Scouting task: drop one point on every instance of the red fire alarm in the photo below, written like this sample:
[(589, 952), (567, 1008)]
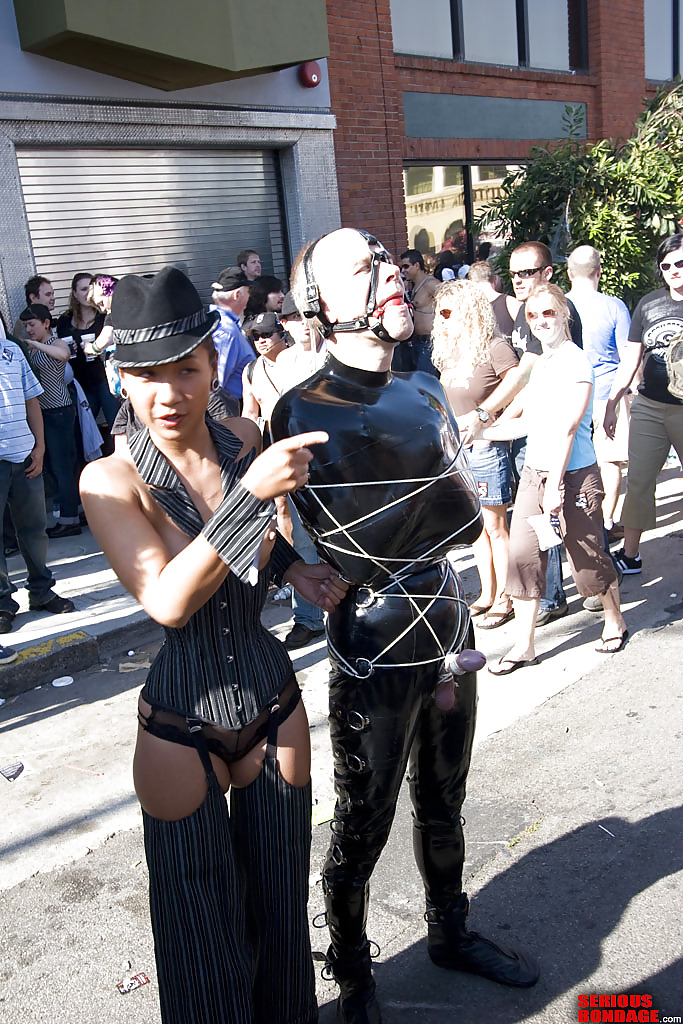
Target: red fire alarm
[(310, 74)]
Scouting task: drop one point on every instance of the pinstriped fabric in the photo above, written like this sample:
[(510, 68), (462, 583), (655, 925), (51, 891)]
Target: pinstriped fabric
[(238, 525), (228, 911), (217, 962), (198, 917), (272, 839), (222, 667)]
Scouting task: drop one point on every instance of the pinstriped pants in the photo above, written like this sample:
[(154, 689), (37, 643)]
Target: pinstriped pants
[(228, 895)]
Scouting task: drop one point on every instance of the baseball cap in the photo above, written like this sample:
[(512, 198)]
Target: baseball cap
[(262, 323), (229, 279)]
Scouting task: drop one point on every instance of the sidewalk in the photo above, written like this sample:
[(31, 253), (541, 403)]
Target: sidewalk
[(51, 645)]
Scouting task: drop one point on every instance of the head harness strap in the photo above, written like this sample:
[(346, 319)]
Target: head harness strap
[(360, 323)]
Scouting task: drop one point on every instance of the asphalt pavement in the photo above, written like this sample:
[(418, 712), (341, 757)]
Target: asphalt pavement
[(574, 826)]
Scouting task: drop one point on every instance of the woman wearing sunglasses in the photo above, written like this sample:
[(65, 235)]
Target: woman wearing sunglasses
[(473, 360), (656, 413), (560, 482)]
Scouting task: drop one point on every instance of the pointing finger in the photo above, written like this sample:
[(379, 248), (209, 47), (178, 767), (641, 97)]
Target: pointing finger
[(292, 444)]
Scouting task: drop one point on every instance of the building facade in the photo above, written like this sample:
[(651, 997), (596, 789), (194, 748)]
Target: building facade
[(135, 135), (434, 102)]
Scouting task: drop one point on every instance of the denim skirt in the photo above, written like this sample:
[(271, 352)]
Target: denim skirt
[(491, 467)]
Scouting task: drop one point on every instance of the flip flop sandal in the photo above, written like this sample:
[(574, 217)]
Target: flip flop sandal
[(479, 609), (601, 649), (500, 619), (514, 665)]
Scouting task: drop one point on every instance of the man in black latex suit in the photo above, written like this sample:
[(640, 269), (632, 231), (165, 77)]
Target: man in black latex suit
[(388, 496)]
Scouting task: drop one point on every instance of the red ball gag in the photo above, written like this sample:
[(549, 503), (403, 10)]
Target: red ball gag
[(310, 74)]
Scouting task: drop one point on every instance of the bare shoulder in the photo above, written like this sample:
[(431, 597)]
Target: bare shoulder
[(247, 431), (432, 285), (114, 476)]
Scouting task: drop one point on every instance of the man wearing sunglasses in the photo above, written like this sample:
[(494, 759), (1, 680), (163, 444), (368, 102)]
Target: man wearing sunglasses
[(415, 354), (530, 263)]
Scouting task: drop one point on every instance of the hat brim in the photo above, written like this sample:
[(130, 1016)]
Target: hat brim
[(165, 350)]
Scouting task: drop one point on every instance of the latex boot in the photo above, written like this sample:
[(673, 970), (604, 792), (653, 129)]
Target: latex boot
[(353, 973), (451, 945)]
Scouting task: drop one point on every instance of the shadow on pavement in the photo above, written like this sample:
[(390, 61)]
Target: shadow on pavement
[(559, 902), (84, 821)]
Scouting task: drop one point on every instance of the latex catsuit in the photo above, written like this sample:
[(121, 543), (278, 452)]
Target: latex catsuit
[(389, 495)]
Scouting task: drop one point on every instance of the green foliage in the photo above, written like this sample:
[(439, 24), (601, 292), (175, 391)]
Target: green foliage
[(622, 198)]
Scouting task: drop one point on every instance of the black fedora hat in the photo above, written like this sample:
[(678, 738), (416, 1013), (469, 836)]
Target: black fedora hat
[(158, 318)]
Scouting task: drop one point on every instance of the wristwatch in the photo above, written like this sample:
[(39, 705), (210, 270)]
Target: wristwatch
[(483, 415)]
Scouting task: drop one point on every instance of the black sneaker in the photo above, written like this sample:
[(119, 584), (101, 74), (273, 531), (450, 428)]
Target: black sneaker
[(6, 620), (301, 635), (56, 606), (63, 530), (629, 566)]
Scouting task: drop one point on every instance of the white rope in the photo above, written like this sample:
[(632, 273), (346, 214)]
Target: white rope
[(395, 578)]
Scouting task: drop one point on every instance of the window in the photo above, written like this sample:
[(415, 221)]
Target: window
[(427, 33), (545, 34), (418, 180), (489, 31), (441, 217), (663, 39), (548, 22)]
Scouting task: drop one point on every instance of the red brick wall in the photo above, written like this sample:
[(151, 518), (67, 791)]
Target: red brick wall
[(366, 99), (367, 81), (617, 56)]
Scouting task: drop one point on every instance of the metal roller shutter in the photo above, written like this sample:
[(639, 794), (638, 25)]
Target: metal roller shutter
[(123, 211)]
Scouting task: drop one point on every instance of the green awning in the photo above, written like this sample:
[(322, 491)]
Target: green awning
[(175, 44)]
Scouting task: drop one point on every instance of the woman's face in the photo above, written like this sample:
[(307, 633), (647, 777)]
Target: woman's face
[(171, 399), (671, 268), (274, 301), (546, 322), (81, 289)]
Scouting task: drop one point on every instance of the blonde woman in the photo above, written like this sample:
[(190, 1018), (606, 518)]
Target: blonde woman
[(473, 360), (560, 480)]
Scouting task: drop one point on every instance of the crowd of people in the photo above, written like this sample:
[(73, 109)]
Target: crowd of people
[(340, 438), (76, 385)]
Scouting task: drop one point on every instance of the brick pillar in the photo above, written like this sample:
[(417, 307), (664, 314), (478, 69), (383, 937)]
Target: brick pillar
[(366, 98), (616, 53)]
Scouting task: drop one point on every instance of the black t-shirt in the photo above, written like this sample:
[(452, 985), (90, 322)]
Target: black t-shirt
[(656, 321), (524, 341), (88, 372), (222, 406)]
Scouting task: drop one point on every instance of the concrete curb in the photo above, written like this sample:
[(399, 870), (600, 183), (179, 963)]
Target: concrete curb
[(66, 654)]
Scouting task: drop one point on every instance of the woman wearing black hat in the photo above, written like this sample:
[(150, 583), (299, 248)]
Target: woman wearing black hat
[(184, 515)]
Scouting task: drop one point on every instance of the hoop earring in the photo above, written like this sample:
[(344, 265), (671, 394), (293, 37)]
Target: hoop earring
[(124, 394), (215, 384)]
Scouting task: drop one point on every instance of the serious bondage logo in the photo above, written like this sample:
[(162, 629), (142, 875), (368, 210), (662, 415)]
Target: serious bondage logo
[(619, 1009)]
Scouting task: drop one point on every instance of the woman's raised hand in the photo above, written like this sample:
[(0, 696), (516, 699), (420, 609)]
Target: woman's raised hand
[(283, 467)]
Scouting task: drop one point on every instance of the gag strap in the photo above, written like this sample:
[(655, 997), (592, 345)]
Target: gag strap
[(350, 326)]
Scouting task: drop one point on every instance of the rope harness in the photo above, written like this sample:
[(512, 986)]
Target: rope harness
[(364, 667)]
